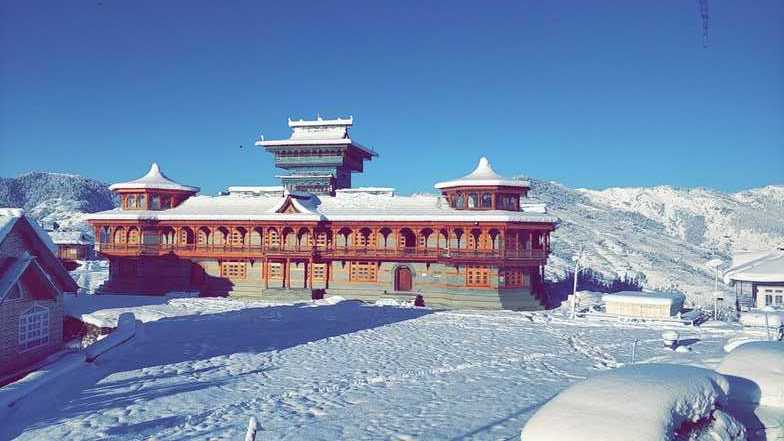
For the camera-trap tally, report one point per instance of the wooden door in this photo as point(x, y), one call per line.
point(403, 279)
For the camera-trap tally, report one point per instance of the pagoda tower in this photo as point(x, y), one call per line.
point(319, 155)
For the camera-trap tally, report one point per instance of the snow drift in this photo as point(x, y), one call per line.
point(641, 402)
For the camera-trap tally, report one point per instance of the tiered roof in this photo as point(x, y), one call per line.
point(318, 132)
point(153, 180)
point(482, 176)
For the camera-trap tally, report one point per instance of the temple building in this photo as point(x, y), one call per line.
point(481, 243)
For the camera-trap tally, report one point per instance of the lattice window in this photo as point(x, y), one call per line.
point(513, 278)
point(234, 270)
point(236, 238)
point(275, 270)
point(321, 239)
point(477, 275)
point(362, 271)
point(34, 328)
point(273, 238)
point(202, 238)
point(364, 240)
point(319, 271)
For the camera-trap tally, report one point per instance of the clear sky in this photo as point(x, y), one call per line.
point(587, 93)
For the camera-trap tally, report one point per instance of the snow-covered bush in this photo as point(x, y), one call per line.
point(639, 402)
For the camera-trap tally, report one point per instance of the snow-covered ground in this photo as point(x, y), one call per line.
point(201, 368)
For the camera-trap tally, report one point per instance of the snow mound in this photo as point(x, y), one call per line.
point(756, 373)
point(641, 402)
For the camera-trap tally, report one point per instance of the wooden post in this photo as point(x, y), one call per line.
point(328, 274)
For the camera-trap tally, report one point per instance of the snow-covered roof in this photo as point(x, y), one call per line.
point(68, 238)
point(766, 266)
point(344, 206)
point(648, 298)
point(483, 175)
point(154, 179)
point(9, 217)
point(318, 132)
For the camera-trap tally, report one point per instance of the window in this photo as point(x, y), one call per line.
point(275, 271)
point(166, 203)
point(319, 271)
point(513, 278)
point(156, 202)
point(768, 299)
point(487, 200)
point(362, 271)
point(273, 239)
point(34, 328)
point(321, 239)
point(363, 238)
point(472, 200)
point(235, 239)
point(141, 202)
point(460, 202)
point(477, 275)
point(131, 201)
point(234, 270)
point(778, 300)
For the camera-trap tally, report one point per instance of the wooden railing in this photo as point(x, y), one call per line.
point(331, 252)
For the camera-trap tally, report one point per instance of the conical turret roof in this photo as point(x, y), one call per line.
point(154, 180)
point(483, 175)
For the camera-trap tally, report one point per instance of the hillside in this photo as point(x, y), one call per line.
point(55, 197)
point(665, 233)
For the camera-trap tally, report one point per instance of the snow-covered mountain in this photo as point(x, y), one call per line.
point(54, 197)
point(663, 233)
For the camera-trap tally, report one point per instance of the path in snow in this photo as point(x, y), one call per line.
point(344, 371)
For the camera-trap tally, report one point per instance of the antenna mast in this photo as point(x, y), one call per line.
point(705, 20)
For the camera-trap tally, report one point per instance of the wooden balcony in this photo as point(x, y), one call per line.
point(414, 254)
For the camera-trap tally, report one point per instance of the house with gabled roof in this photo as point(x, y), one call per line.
point(32, 283)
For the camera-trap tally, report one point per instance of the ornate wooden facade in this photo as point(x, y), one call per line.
point(476, 240)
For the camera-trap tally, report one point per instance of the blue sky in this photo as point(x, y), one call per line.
point(588, 93)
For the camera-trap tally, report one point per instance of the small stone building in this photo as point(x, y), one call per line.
point(32, 283)
point(644, 304)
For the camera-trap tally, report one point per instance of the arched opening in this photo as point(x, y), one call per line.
point(458, 238)
point(385, 235)
point(133, 236)
point(237, 238)
point(273, 238)
point(119, 235)
point(407, 238)
point(288, 238)
point(255, 237)
point(186, 236)
point(220, 236)
point(363, 238)
point(425, 236)
point(344, 237)
point(167, 237)
point(202, 237)
point(403, 279)
point(303, 238)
